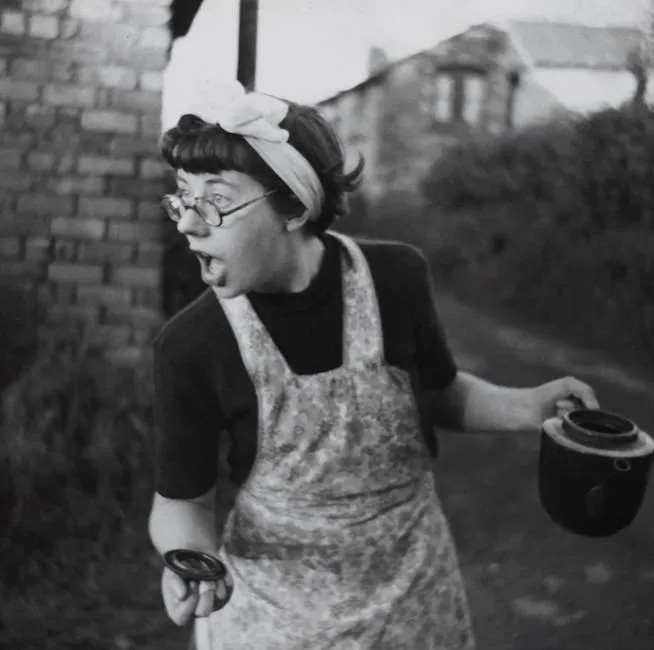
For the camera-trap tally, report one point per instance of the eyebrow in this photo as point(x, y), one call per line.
point(212, 181)
point(222, 181)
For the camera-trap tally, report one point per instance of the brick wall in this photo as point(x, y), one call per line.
point(81, 232)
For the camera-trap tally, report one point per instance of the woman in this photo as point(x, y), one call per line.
point(311, 352)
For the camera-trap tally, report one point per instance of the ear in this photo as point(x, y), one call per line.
point(297, 221)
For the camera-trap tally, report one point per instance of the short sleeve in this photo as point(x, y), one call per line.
point(436, 365)
point(187, 433)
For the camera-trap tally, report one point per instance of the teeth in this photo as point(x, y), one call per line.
point(214, 266)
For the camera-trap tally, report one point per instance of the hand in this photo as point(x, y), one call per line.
point(185, 600)
point(555, 398)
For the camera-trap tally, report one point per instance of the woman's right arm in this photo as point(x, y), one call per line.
point(184, 523)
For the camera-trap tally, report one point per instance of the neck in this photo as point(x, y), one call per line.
point(298, 262)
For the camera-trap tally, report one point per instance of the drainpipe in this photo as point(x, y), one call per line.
point(247, 43)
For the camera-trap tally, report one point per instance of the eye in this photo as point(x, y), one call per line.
point(220, 200)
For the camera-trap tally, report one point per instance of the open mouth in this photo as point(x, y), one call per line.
point(213, 270)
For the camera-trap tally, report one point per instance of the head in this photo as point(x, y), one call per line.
point(255, 243)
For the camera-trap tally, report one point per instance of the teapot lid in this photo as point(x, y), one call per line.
point(599, 432)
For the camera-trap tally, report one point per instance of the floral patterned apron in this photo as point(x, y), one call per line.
point(337, 539)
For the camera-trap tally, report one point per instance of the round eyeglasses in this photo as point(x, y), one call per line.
point(175, 206)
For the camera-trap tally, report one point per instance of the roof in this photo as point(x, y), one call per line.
point(557, 45)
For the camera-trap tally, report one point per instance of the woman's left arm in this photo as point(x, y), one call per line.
point(472, 404)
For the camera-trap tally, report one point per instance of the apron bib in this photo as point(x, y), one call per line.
point(337, 539)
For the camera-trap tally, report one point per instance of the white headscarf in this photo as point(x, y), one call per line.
point(256, 117)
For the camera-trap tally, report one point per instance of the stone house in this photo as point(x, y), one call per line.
point(487, 79)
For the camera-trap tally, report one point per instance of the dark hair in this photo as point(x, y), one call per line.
point(199, 147)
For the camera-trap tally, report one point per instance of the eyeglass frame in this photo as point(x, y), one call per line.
point(176, 217)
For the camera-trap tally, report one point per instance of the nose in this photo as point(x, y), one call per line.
point(191, 223)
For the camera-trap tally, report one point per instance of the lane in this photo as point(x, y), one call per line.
point(533, 586)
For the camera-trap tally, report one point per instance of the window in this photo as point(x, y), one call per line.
point(444, 98)
point(474, 87)
point(458, 96)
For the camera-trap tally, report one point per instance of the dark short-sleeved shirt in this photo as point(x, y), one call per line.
point(203, 391)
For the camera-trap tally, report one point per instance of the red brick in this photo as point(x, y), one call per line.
point(135, 315)
point(24, 224)
point(78, 273)
point(10, 158)
point(15, 181)
point(150, 253)
point(85, 314)
point(134, 231)
point(110, 335)
point(136, 276)
point(13, 22)
point(105, 165)
point(40, 116)
point(93, 229)
point(41, 161)
point(106, 207)
point(77, 185)
point(126, 146)
point(136, 100)
point(45, 6)
point(43, 27)
point(99, 11)
point(147, 297)
point(151, 125)
point(104, 294)
point(69, 95)
point(153, 169)
point(109, 76)
point(70, 28)
point(10, 247)
point(30, 69)
point(123, 37)
point(155, 38)
point(38, 248)
point(142, 14)
point(150, 211)
point(22, 139)
point(152, 81)
point(22, 270)
point(103, 251)
point(18, 90)
point(75, 51)
point(110, 121)
point(64, 250)
point(137, 189)
point(149, 59)
point(45, 204)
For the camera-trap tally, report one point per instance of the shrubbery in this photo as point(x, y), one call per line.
point(75, 459)
point(556, 220)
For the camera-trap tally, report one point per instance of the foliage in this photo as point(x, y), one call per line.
point(75, 457)
point(555, 218)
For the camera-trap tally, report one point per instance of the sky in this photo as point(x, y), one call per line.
point(308, 50)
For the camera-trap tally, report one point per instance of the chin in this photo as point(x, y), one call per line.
point(227, 290)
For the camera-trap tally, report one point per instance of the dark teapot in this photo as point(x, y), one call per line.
point(593, 471)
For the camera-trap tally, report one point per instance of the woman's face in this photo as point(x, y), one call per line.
point(238, 256)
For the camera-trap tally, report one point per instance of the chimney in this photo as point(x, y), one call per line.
point(377, 60)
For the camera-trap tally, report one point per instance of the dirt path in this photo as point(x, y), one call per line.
point(533, 586)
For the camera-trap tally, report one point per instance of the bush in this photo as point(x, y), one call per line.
point(553, 219)
point(75, 457)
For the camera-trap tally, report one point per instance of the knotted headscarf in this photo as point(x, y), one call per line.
point(256, 117)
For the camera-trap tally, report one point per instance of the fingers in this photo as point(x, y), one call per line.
point(206, 598)
point(180, 599)
point(578, 390)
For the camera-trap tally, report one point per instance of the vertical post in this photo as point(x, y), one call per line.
point(247, 42)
